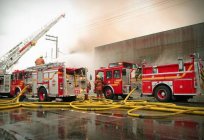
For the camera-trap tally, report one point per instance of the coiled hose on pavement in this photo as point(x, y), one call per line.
point(94, 104)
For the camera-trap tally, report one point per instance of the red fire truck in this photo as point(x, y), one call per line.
point(173, 81)
point(179, 81)
point(117, 78)
point(50, 81)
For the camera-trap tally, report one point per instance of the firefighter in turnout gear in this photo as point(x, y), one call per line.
point(99, 87)
point(39, 61)
point(87, 90)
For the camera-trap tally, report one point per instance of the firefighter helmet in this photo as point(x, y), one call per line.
point(98, 76)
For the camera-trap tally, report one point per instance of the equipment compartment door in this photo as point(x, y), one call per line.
point(1, 83)
point(71, 83)
point(184, 86)
point(53, 82)
point(126, 80)
point(34, 83)
point(7, 80)
point(40, 76)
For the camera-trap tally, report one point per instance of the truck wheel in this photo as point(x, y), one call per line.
point(17, 91)
point(108, 93)
point(123, 96)
point(162, 94)
point(182, 98)
point(42, 94)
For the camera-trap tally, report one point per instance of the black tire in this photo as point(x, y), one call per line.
point(42, 95)
point(17, 91)
point(69, 99)
point(10, 96)
point(108, 93)
point(123, 96)
point(73, 98)
point(162, 94)
point(182, 98)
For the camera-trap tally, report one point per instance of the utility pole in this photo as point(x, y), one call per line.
point(55, 39)
point(51, 54)
point(46, 57)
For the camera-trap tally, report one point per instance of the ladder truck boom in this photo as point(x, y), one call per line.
point(11, 57)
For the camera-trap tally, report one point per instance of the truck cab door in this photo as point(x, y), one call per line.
point(108, 78)
point(117, 80)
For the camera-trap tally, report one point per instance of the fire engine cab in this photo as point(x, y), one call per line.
point(117, 78)
point(19, 79)
point(173, 81)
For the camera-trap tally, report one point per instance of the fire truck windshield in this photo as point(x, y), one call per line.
point(123, 64)
point(80, 71)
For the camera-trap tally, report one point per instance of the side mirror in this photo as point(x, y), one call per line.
point(181, 64)
point(12, 77)
point(90, 77)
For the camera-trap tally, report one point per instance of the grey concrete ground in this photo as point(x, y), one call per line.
point(68, 124)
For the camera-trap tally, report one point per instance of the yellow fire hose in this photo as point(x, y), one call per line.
point(94, 104)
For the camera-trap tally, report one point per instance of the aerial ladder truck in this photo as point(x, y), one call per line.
point(13, 55)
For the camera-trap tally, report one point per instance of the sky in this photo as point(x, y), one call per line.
point(88, 24)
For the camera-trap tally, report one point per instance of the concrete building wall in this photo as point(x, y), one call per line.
point(159, 48)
